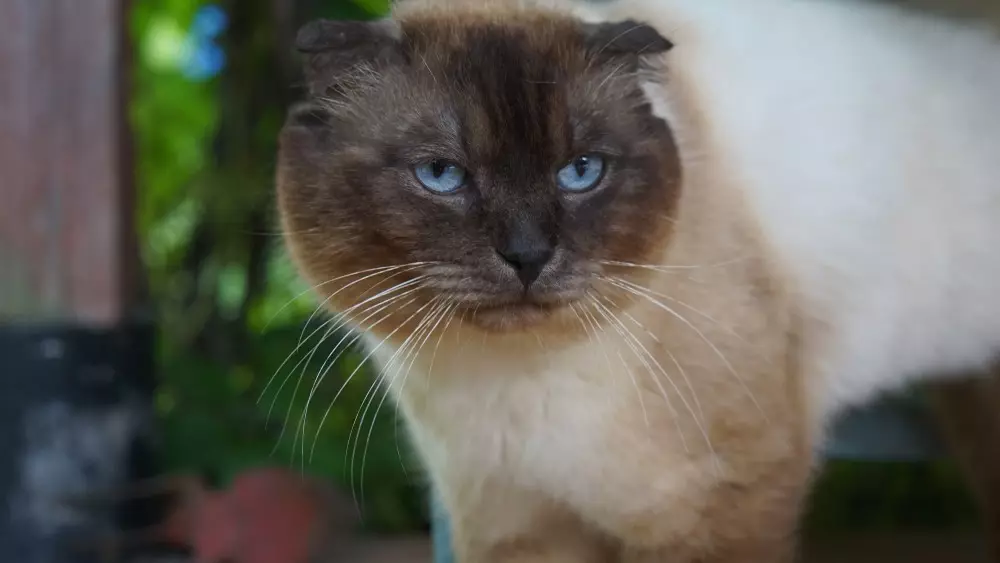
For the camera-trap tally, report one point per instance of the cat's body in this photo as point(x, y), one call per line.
point(873, 173)
point(833, 235)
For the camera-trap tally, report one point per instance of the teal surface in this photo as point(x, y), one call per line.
point(440, 533)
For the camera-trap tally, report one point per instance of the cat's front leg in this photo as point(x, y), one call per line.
point(513, 526)
point(747, 551)
point(745, 510)
point(735, 522)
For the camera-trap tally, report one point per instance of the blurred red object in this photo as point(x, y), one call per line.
point(267, 515)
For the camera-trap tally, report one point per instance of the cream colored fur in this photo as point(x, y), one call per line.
point(838, 235)
point(867, 144)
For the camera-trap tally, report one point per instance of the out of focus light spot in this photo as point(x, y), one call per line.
point(165, 45)
point(193, 52)
point(209, 22)
point(206, 58)
point(165, 402)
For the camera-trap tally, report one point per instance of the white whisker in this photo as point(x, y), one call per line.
point(600, 340)
point(698, 312)
point(622, 284)
point(687, 380)
point(641, 354)
point(696, 413)
point(412, 344)
point(671, 268)
point(354, 336)
point(361, 364)
point(605, 313)
point(437, 315)
point(383, 270)
point(380, 269)
point(390, 271)
point(344, 318)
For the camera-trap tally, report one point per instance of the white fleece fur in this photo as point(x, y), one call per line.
point(868, 142)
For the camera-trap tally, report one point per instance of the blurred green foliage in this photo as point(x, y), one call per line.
point(230, 306)
point(882, 496)
point(232, 309)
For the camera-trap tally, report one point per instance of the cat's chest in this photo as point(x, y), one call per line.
point(571, 427)
point(533, 421)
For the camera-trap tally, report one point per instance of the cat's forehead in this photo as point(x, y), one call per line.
point(535, 45)
point(511, 85)
point(539, 41)
point(509, 79)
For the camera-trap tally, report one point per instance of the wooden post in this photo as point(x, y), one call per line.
point(65, 174)
point(74, 365)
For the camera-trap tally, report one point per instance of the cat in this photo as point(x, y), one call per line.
point(621, 265)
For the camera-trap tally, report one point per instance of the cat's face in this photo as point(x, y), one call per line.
point(499, 160)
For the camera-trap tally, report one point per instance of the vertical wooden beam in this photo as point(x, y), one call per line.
point(66, 230)
point(75, 385)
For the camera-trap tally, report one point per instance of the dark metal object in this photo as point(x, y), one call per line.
point(75, 415)
point(897, 428)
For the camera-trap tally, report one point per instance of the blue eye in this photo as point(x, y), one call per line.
point(582, 174)
point(439, 176)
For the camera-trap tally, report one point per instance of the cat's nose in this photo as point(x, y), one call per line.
point(526, 244)
point(528, 259)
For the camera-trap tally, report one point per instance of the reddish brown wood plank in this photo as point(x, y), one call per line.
point(65, 183)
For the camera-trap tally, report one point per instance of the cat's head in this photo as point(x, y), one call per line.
point(492, 159)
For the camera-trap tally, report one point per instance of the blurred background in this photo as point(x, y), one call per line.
point(155, 333)
point(238, 354)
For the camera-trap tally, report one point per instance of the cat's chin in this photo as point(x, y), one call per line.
point(513, 317)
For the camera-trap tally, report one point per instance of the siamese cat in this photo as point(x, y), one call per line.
point(620, 265)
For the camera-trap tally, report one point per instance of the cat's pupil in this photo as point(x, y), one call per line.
point(438, 168)
point(581, 165)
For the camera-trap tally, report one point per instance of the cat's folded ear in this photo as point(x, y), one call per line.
point(332, 48)
point(624, 38)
